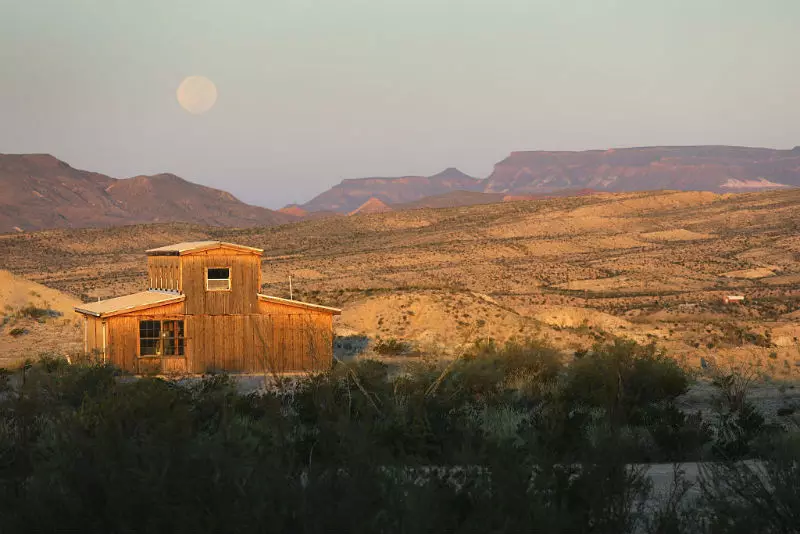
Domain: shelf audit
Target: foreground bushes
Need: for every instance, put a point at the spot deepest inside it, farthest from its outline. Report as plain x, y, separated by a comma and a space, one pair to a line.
523, 445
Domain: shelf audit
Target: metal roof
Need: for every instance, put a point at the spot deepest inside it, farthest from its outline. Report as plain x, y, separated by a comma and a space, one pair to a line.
190, 247
129, 303
299, 304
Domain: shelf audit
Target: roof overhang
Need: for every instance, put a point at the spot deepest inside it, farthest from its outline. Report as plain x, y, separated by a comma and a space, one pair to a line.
129, 303
196, 247
300, 304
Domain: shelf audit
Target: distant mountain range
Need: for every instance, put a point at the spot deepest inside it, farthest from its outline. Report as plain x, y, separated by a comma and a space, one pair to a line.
350, 194
536, 173
38, 191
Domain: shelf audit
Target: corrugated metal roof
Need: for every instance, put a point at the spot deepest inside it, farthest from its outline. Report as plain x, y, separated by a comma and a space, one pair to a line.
128, 303
188, 247
299, 304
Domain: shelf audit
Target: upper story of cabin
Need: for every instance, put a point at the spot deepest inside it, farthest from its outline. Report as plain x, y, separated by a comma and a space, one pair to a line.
217, 278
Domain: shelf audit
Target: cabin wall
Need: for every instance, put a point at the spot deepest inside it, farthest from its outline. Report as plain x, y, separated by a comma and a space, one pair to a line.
258, 343
241, 299
93, 335
164, 272
285, 340
123, 341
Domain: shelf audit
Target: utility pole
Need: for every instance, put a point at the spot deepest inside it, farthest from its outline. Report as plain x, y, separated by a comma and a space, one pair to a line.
290, 287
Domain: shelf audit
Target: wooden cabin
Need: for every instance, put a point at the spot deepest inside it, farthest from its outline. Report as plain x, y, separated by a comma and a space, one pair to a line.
202, 311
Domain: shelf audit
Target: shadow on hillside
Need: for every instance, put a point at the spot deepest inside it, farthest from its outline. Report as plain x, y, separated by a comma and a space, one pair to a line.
348, 347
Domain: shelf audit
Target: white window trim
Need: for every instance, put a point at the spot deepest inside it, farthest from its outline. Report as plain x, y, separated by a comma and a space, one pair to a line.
229, 279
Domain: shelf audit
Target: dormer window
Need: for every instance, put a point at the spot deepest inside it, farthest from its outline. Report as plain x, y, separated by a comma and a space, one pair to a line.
218, 279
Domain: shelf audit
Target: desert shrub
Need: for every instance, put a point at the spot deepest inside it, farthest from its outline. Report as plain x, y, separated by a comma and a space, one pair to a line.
17, 331
625, 379
489, 369
34, 312
454, 448
755, 496
737, 336
392, 347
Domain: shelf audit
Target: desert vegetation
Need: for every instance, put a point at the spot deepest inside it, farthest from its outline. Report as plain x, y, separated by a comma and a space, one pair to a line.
505, 438
649, 266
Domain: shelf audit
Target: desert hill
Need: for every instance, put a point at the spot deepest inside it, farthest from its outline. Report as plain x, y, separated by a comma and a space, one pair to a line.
40, 191
652, 266
373, 205
294, 209
452, 199
35, 319
352, 193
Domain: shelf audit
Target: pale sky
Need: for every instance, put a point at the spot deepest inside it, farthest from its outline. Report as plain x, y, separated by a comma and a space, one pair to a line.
311, 92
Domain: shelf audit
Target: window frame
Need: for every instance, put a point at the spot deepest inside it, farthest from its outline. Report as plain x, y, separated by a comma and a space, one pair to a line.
230, 284
179, 341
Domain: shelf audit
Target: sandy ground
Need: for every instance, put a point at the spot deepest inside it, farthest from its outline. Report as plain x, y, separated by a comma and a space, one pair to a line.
59, 332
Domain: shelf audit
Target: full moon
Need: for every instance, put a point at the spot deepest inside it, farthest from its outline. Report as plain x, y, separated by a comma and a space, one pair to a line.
197, 94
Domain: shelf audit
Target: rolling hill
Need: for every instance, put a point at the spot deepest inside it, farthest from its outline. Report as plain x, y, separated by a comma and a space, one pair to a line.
650, 266
39, 191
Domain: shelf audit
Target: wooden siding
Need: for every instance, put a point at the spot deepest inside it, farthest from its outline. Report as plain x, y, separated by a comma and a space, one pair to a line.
282, 339
122, 333
241, 299
164, 272
93, 335
260, 343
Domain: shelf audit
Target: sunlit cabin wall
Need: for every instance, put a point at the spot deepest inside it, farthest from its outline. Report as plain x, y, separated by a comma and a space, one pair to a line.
278, 342
164, 272
241, 299
93, 335
123, 340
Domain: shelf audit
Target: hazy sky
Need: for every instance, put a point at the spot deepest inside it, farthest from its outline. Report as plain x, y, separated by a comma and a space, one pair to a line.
311, 92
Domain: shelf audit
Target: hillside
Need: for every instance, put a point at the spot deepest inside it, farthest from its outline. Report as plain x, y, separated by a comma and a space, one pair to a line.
35, 319
452, 199
652, 266
352, 193
373, 205
39, 191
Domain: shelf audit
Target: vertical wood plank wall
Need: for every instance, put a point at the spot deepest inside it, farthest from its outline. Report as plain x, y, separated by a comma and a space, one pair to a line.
242, 298
258, 343
94, 335
123, 334
224, 330
284, 338
163, 272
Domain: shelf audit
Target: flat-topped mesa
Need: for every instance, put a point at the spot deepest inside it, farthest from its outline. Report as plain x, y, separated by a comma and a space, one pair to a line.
685, 168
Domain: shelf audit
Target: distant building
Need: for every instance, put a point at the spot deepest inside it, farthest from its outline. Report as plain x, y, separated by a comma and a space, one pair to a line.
202, 311
733, 299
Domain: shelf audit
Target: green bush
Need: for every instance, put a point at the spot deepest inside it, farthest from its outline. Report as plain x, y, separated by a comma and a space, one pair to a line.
760, 495
502, 440
625, 379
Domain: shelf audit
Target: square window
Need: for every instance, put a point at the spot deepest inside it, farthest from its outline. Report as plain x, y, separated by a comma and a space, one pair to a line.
218, 279
161, 338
